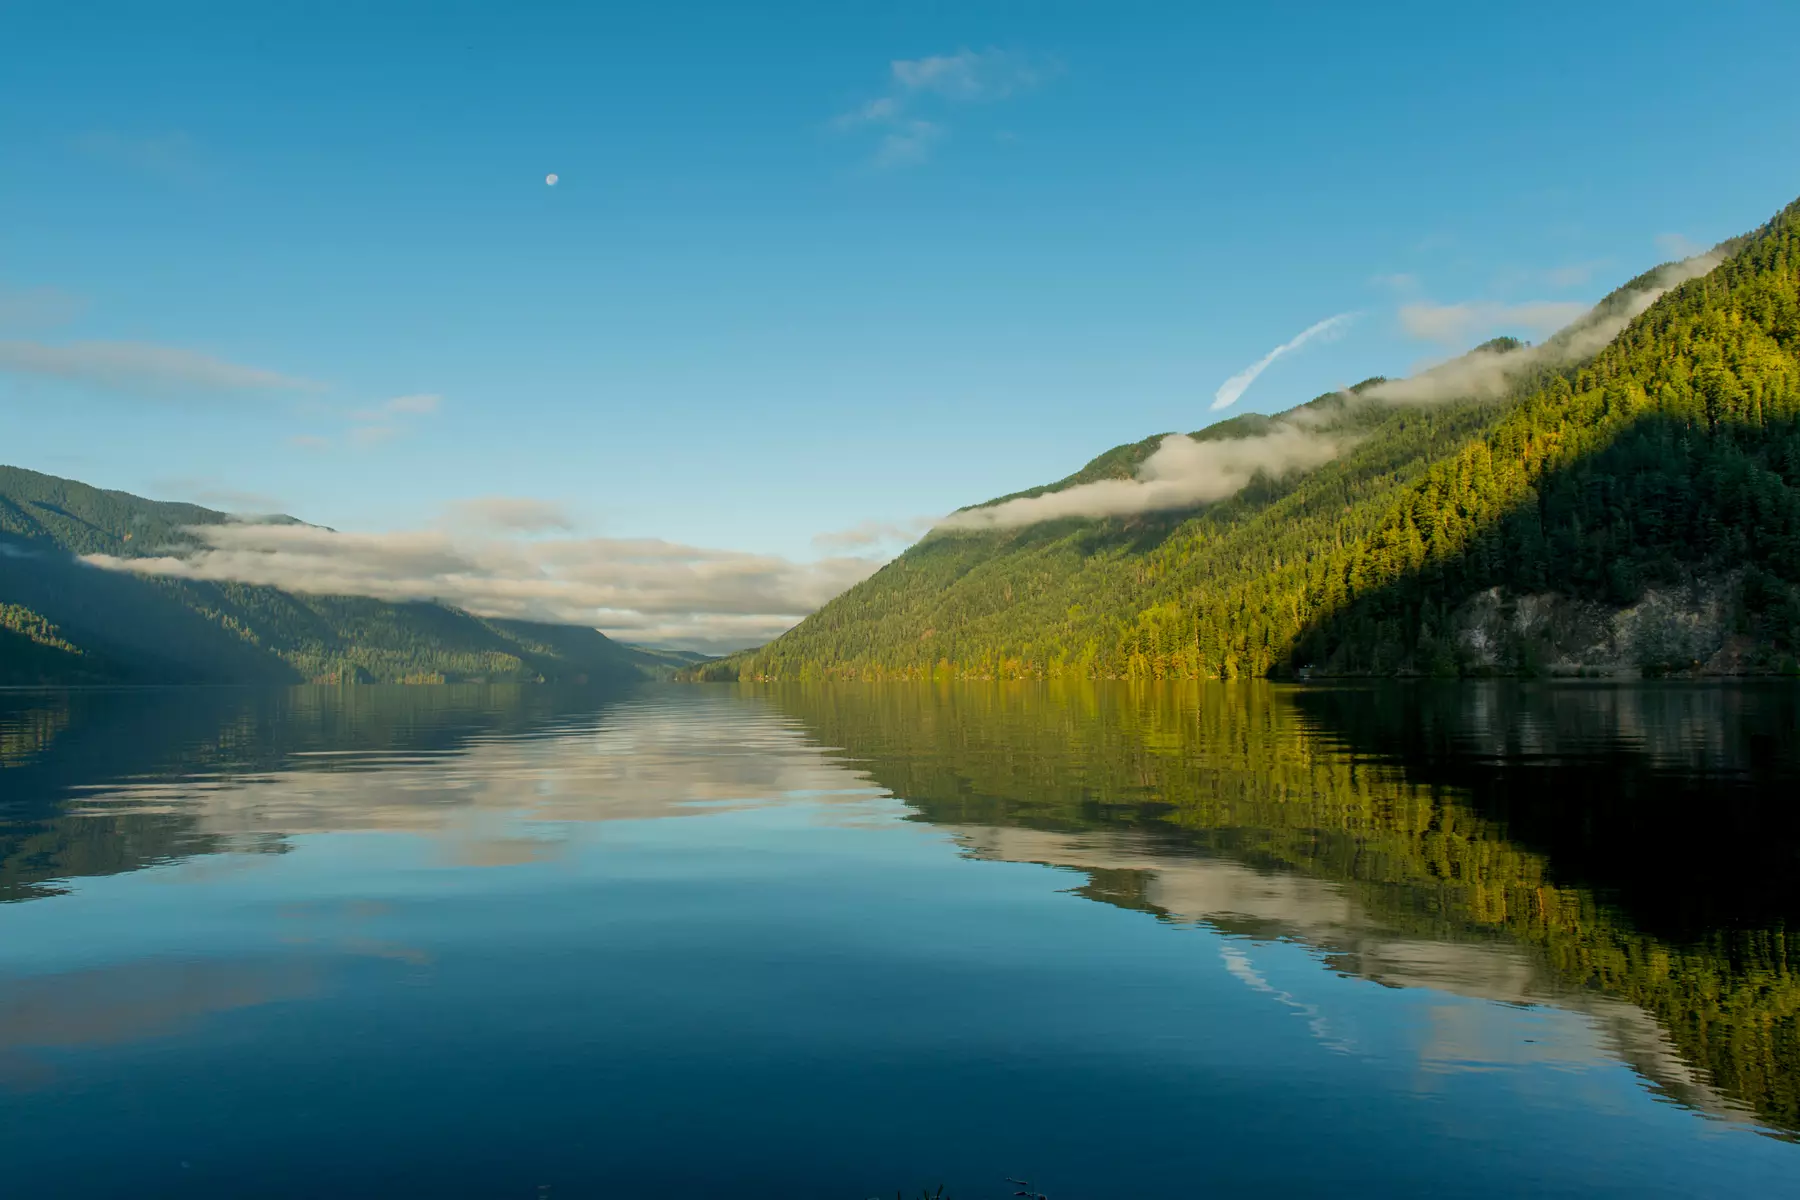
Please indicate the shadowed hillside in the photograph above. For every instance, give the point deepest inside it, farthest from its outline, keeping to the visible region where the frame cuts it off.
(1667, 469)
(62, 620)
(1641, 500)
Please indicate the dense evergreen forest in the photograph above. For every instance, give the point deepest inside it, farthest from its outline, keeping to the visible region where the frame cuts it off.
(1632, 510)
(62, 621)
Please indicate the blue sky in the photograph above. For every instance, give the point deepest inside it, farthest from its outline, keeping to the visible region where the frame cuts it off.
(806, 266)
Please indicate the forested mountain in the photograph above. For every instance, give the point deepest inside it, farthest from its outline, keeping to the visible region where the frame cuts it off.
(62, 621)
(1622, 504)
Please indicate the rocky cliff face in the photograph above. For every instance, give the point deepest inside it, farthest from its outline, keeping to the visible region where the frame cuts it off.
(1688, 630)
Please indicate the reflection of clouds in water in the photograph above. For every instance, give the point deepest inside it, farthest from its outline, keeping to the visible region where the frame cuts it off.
(161, 997)
(344, 927)
(496, 801)
(130, 1002)
(1458, 1038)
(504, 851)
(1576, 1044)
(1238, 964)
(1328, 918)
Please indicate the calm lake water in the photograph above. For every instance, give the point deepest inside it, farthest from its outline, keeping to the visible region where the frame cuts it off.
(835, 941)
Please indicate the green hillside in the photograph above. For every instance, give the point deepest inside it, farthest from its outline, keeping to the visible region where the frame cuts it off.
(63, 621)
(1634, 509)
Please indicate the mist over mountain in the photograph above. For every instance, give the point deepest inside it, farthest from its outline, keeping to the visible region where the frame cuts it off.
(1623, 497)
(64, 619)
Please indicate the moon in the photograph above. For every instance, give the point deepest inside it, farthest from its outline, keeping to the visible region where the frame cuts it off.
(550, 179)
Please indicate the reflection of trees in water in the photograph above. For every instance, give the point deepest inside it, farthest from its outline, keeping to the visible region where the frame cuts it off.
(145, 778)
(28, 731)
(64, 748)
(1619, 851)
(1623, 851)
(1625, 789)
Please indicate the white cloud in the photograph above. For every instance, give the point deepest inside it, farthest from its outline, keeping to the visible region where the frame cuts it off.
(1461, 322)
(945, 79)
(1185, 473)
(417, 404)
(967, 75)
(142, 368)
(212, 493)
(1181, 473)
(1492, 374)
(1573, 275)
(636, 589)
(1677, 246)
(865, 534)
(878, 110)
(384, 422)
(510, 514)
(309, 441)
(1238, 384)
(38, 306)
(909, 143)
(367, 437)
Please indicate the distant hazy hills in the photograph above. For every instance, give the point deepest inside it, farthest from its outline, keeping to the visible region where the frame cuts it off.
(64, 621)
(1623, 497)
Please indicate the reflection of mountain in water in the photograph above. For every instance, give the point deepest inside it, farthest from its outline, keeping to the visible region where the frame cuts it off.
(105, 782)
(1628, 790)
(1377, 825)
(1234, 898)
(1623, 853)
(62, 751)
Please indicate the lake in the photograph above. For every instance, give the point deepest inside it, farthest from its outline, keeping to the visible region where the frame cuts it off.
(836, 941)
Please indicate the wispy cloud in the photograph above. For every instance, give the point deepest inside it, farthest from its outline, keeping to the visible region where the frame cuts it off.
(968, 76)
(511, 514)
(638, 589)
(1492, 374)
(867, 534)
(1180, 473)
(1676, 245)
(1573, 274)
(416, 404)
(367, 437)
(1232, 389)
(1185, 473)
(375, 426)
(1460, 322)
(211, 493)
(909, 142)
(159, 372)
(25, 307)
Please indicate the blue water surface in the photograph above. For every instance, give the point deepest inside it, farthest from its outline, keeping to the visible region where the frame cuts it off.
(677, 942)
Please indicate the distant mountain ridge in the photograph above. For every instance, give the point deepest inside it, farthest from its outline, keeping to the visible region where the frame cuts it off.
(1625, 497)
(62, 621)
